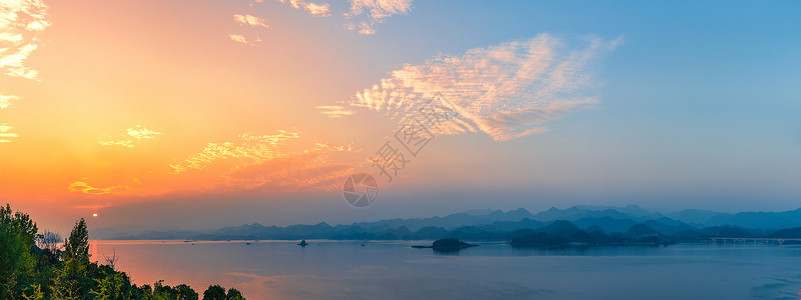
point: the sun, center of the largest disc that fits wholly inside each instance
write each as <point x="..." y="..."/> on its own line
<point x="94" y="215"/>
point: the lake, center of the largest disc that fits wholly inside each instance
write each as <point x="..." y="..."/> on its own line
<point x="394" y="270"/>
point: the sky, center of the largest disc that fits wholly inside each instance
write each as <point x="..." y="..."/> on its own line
<point x="200" y="114"/>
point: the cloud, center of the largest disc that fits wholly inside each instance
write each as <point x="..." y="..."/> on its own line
<point x="255" y="164"/>
<point x="248" y="147"/>
<point x="317" y="10"/>
<point x="5" y="101"/>
<point x="250" y="20"/>
<point x="248" y="164"/>
<point x="242" y="39"/>
<point x="506" y="91"/>
<point x="141" y="133"/>
<point x="238" y="38"/>
<point x="260" y="164"/>
<point x="335" y="111"/>
<point x="5" y="134"/>
<point x="133" y="136"/>
<point x="363" y="15"/>
<point x="20" y="23"/>
<point x="306" y="170"/>
<point x="83" y="187"/>
<point x="367" y="13"/>
<point x="322" y="10"/>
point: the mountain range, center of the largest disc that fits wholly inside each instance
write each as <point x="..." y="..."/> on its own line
<point x="631" y="221"/>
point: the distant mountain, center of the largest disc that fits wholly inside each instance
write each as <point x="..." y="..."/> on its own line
<point x="695" y="216"/>
<point x="632" y="212"/>
<point x="639" y="231"/>
<point x="470" y="218"/>
<point x="598" y="225"/>
<point x="789" y="233"/>
<point x="606" y="224"/>
<point x="487" y="224"/>
<point x="479" y="212"/>
<point x="724" y="231"/>
<point x="773" y="220"/>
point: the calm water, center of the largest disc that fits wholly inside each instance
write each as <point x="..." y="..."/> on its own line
<point x="393" y="270"/>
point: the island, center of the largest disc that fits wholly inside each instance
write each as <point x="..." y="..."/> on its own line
<point x="447" y="245"/>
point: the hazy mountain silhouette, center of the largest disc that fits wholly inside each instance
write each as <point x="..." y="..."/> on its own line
<point x="592" y="225"/>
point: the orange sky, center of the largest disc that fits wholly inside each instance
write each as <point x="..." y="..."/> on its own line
<point x="144" y="101"/>
<point x="107" y="104"/>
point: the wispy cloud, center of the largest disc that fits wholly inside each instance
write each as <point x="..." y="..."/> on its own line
<point x="306" y="170"/>
<point x="132" y="136"/>
<point x="5" y="101"/>
<point x="20" y="23"/>
<point x="314" y="9"/>
<point x="83" y="187"/>
<point x="5" y="134"/>
<point x="506" y="91"/>
<point x="260" y="163"/>
<point x="364" y="15"/>
<point x="239" y="38"/>
<point x="253" y="148"/>
<point x="250" y="20"/>
<point x="335" y="111"/>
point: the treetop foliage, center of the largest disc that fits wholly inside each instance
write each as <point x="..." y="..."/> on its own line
<point x="31" y="272"/>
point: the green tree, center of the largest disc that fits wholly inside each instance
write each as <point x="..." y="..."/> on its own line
<point x="76" y="247"/>
<point x="179" y="292"/>
<point x="234" y="294"/>
<point x="17" y="261"/>
<point x="186" y="293"/>
<point x="73" y="280"/>
<point x="28" y="271"/>
<point x="214" y="292"/>
<point x="115" y="286"/>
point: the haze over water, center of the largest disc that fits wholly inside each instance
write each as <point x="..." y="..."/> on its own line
<point x="394" y="270"/>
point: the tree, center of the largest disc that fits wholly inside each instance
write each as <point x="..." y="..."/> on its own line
<point x="185" y="292"/>
<point x="30" y="272"/>
<point x="19" y="223"/>
<point x="17" y="261"/>
<point x="76" y="247"/>
<point x="214" y="292"/>
<point x="179" y="292"/>
<point x="49" y="241"/>
<point x="73" y="279"/>
<point x="234" y="294"/>
<point x="112" y="260"/>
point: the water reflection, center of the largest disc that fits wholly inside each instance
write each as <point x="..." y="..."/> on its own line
<point x="394" y="270"/>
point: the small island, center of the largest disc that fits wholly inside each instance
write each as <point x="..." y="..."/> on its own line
<point x="447" y="245"/>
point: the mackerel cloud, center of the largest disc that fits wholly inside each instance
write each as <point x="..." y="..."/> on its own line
<point x="20" y="23"/>
<point x="506" y="91"/>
